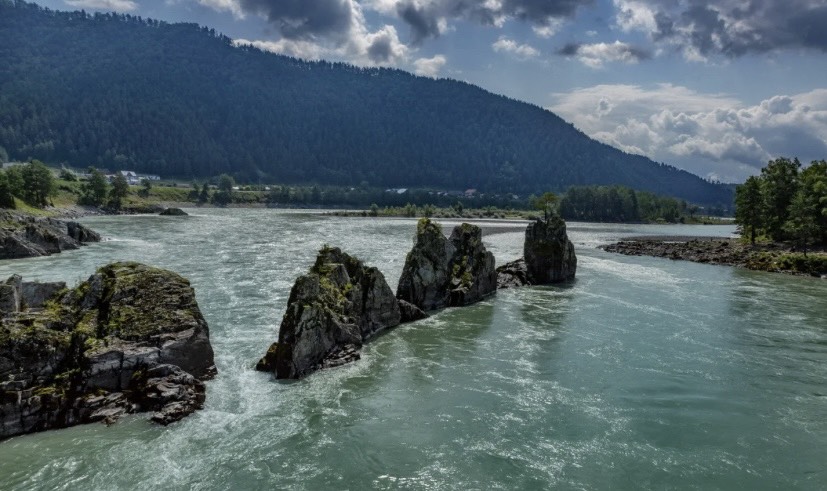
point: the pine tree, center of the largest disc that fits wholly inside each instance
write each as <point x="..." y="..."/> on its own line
<point x="749" y="203"/>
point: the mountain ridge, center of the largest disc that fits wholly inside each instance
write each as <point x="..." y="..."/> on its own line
<point x="181" y="100"/>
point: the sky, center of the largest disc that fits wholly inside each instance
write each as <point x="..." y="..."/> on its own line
<point x="714" y="87"/>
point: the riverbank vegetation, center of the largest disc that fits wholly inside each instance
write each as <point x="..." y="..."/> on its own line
<point x="785" y="203"/>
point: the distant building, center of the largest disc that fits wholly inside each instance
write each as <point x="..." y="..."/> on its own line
<point x="397" y="190"/>
<point x="470" y="192"/>
<point x="133" y="178"/>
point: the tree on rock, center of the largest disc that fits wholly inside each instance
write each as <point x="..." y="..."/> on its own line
<point x="546" y="203"/>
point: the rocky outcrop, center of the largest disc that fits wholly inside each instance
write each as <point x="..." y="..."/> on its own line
<point x="331" y="311"/>
<point x="441" y="272"/>
<point x="129" y="339"/>
<point x="548" y="256"/>
<point x="174" y="212"/>
<point x="27" y="236"/>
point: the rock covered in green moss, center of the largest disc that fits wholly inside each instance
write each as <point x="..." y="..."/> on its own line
<point x="23" y="235"/>
<point x="331" y="311"/>
<point x="93" y="352"/>
<point x="441" y="272"/>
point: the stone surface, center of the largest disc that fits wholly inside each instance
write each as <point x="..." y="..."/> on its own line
<point x="175" y="212"/>
<point x="331" y="311"/>
<point x="549" y="254"/>
<point x="411" y="312"/>
<point x="129" y="339"/>
<point x="513" y="275"/>
<point x="36" y="294"/>
<point x="441" y="272"/>
<point x="23" y="235"/>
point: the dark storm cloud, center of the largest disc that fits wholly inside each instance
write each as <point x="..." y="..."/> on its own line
<point x="738" y="27"/>
<point x="423" y="17"/>
<point x="304" y="19"/>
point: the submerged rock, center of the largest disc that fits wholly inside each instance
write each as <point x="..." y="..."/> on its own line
<point x="27" y="236"/>
<point x="177" y="212"/>
<point x="441" y="272"/>
<point x="548" y="256"/>
<point x="129" y="339"/>
<point x="331" y="311"/>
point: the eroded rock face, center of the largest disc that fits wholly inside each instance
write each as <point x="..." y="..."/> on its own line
<point x="331" y="311"/>
<point x="549" y="254"/>
<point x="129" y="339"/>
<point x="27" y="236"/>
<point x="441" y="272"/>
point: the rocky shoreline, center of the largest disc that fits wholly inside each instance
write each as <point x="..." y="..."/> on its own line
<point x="776" y="258"/>
<point x="129" y="339"/>
<point x="23" y="235"/>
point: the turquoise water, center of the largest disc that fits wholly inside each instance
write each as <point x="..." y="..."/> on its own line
<point x="643" y="374"/>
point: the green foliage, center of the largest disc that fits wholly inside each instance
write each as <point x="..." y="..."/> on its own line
<point x="374" y="209"/>
<point x="780" y="181"/>
<point x="146" y="188"/>
<point x="61" y="100"/>
<point x="119" y="191"/>
<point x="94" y="190"/>
<point x="38" y="183"/>
<point x="618" y="204"/>
<point x="749" y="207"/>
<point x="785" y="203"/>
<point x="67" y="175"/>
<point x="546" y="203"/>
<point x="6" y="195"/>
<point x="4" y="155"/>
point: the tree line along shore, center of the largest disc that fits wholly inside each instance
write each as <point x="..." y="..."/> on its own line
<point x="38" y="189"/>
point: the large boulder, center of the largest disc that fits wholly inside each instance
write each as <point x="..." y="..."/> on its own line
<point x="441" y="272"/>
<point x="129" y="339"/>
<point x="548" y="256"/>
<point x="331" y="311"/>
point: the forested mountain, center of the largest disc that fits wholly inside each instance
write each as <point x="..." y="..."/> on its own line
<point x="180" y="100"/>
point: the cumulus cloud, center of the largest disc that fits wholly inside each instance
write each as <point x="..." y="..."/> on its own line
<point x="429" y="67"/>
<point x="595" y="55"/>
<point x="704" y="133"/>
<point x="429" y="18"/>
<point x="521" y="51"/>
<point x="732" y="28"/>
<point x="110" y="5"/>
<point x="312" y="29"/>
<point x="231" y="6"/>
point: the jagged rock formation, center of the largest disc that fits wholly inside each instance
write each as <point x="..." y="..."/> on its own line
<point x="131" y="338"/>
<point x="27" y="236"/>
<point x="548" y="256"/>
<point x="174" y="212"/>
<point x="441" y="272"/>
<point x="331" y="311"/>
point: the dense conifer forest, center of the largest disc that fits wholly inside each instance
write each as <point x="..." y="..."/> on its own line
<point x="179" y="100"/>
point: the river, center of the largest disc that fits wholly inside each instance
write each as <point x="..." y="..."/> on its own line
<point x="644" y="373"/>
